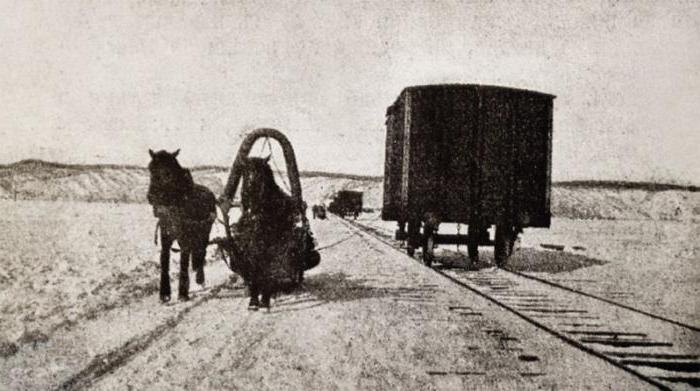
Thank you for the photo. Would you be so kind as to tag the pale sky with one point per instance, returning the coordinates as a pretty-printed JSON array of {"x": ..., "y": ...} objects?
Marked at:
[{"x": 102, "y": 81}]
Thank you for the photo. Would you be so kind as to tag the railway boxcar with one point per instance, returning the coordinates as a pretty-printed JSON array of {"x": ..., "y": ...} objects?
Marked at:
[
  {"x": 469, "y": 154},
  {"x": 346, "y": 202}
]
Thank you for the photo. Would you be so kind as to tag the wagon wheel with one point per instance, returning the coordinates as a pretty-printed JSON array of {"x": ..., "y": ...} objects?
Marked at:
[{"x": 505, "y": 239}]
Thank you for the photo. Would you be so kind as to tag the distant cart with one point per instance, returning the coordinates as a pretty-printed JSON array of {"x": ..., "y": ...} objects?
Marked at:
[
  {"x": 346, "y": 203},
  {"x": 319, "y": 212},
  {"x": 468, "y": 154}
]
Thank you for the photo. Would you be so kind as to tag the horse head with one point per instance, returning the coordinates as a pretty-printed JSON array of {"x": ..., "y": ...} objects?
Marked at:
[
  {"x": 170, "y": 182},
  {"x": 258, "y": 184}
]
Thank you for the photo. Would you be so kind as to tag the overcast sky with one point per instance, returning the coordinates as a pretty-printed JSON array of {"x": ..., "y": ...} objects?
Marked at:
[{"x": 101, "y": 82}]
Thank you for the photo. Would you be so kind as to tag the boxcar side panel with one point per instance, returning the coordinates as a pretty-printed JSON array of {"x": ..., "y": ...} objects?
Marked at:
[
  {"x": 532, "y": 161},
  {"x": 425, "y": 136},
  {"x": 459, "y": 157},
  {"x": 460, "y": 151},
  {"x": 495, "y": 149},
  {"x": 393, "y": 161},
  {"x": 543, "y": 184},
  {"x": 441, "y": 155},
  {"x": 406, "y": 156},
  {"x": 548, "y": 176},
  {"x": 523, "y": 145},
  {"x": 536, "y": 161}
]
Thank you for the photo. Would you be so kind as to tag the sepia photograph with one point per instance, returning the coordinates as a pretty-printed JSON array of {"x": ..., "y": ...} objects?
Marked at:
[{"x": 350, "y": 195}]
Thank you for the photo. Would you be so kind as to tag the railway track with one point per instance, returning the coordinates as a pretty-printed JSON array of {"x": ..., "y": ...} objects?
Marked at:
[{"x": 660, "y": 351}]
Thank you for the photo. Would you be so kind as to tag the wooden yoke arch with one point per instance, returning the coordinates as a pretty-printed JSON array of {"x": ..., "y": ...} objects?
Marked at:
[{"x": 226, "y": 199}]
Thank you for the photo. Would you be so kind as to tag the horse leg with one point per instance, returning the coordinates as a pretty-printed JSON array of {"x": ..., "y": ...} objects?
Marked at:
[
  {"x": 253, "y": 293},
  {"x": 184, "y": 285},
  {"x": 265, "y": 302},
  {"x": 165, "y": 242},
  {"x": 198, "y": 257}
]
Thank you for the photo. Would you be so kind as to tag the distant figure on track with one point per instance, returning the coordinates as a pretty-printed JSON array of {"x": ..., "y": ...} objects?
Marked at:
[{"x": 186, "y": 212}]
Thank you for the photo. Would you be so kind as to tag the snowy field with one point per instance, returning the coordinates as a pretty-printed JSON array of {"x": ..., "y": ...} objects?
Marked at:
[
  {"x": 64, "y": 261},
  {"x": 67, "y": 260},
  {"x": 73, "y": 270}
]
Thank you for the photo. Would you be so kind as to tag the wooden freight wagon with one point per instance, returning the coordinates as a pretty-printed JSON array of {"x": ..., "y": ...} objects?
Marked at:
[{"x": 469, "y": 154}]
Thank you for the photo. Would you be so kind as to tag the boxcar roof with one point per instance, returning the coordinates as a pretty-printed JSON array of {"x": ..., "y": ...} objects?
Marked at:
[{"x": 468, "y": 86}]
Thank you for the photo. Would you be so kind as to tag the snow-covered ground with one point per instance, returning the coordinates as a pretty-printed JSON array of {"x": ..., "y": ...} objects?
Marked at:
[
  {"x": 652, "y": 265},
  {"x": 64, "y": 261},
  {"x": 78, "y": 295}
]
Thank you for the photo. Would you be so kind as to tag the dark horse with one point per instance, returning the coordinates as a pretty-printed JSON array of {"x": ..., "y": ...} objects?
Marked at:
[
  {"x": 186, "y": 212},
  {"x": 265, "y": 231}
]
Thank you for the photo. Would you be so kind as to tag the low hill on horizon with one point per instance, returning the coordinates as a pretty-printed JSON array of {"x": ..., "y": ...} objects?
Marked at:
[{"x": 39, "y": 180}]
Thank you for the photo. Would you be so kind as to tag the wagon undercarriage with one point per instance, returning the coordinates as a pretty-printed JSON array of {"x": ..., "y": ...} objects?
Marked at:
[{"x": 426, "y": 236}]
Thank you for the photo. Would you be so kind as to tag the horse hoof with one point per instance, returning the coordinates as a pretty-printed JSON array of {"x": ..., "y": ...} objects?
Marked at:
[
  {"x": 183, "y": 297},
  {"x": 253, "y": 307},
  {"x": 164, "y": 299},
  {"x": 199, "y": 279}
]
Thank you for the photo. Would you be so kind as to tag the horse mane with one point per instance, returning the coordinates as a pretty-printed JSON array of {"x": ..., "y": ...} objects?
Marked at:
[
  {"x": 277, "y": 204},
  {"x": 269, "y": 177},
  {"x": 187, "y": 181}
]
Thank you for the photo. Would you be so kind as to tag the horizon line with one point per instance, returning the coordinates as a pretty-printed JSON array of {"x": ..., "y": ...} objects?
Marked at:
[{"x": 584, "y": 182}]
